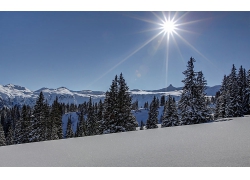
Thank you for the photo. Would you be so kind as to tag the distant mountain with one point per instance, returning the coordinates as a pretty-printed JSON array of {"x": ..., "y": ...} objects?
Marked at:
[
  {"x": 11, "y": 95},
  {"x": 210, "y": 91},
  {"x": 167, "y": 89}
]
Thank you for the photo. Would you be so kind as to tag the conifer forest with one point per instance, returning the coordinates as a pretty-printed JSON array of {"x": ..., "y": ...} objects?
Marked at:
[{"x": 43, "y": 122}]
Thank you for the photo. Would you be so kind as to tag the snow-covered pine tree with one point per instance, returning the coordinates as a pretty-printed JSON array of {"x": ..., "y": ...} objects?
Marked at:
[
  {"x": 18, "y": 136},
  {"x": 91, "y": 120},
  {"x": 187, "y": 104},
  {"x": 146, "y": 105},
  {"x": 170, "y": 114},
  {"x": 126, "y": 121},
  {"x": 69, "y": 131},
  {"x": 39, "y": 124},
  {"x": 135, "y": 105},
  {"x": 163, "y": 101},
  {"x": 243, "y": 89},
  {"x": 9, "y": 137},
  {"x": 79, "y": 126},
  {"x": 2, "y": 136},
  {"x": 56, "y": 117},
  {"x": 234, "y": 106},
  {"x": 111, "y": 108},
  {"x": 47, "y": 121},
  {"x": 152, "y": 115},
  {"x": 248, "y": 92},
  {"x": 25, "y": 124},
  {"x": 54, "y": 135},
  {"x": 200, "y": 99},
  {"x": 117, "y": 108},
  {"x": 221, "y": 100},
  {"x": 100, "y": 120}
]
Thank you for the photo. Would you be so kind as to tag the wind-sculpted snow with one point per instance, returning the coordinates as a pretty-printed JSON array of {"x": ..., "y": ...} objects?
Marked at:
[
  {"x": 224, "y": 143},
  {"x": 11, "y": 95}
]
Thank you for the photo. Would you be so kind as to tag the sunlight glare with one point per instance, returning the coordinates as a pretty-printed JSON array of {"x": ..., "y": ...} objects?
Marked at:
[{"x": 168, "y": 26}]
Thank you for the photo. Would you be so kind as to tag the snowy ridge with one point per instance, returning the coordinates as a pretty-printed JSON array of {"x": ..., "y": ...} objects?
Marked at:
[{"x": 11, "y": 95}]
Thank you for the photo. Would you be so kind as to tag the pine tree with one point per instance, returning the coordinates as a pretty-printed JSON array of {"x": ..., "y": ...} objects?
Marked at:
[
  {"x": 201, "y": 105},
  {"x": 2, "y": 137},
  {"x": 25, "y": 123},
  {"x": 47, "y": 121},
  {"x": 135, "y": 105},
  {"x": 100, "y": 120},
  {"x": 81, "y": 126},
  {"x": 56, "y": 117},
  {"x": 18, "y": 136},
  {"x": 188, "y": 113},
  {"x": 248, "y": 92},
  {"x": 221, "y": 100},
  {"x": 146, "y": 105},
  {"x": 117, "y": 108},
  {"x": 243, "y": 87},
  {"x": 9, "y": 138},
  {"x": 54, "y": 135},
  {"x": 163, "y": 100},
  {"x": 126, "y": 121},
  {"x": 39, "y": 124},
  {"x": 152, "y": 115},
  {"x": 91, "y": 120},
  {"x": 69, "y": 131},
  {"x": 170, "y": 115},
  {"x": 111, "y": 107},
  {"x": 234, "y": 106}
]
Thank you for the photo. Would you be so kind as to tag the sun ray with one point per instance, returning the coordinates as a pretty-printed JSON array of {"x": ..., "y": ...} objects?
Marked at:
[
  {"x": 192, "y": 22},
  {"x": 168, "y": 26},
  {"x": 135, "y": 51},
  {"x": 166, "y": 81},
  {"x": 181, "y": 17},
  {"x": 143, "y": 19},
  {"x": 175, "y": 15},
  {"x": 165, "y": 19},
  {"x": 159, "y": 43},
  {"x": 184, "y": 30},
  {"x": 179, "y": 51},
  {"x": 148, "y": 30},
  {"x": 196, "y": 50},
  {"x": 158, "y": 17}
]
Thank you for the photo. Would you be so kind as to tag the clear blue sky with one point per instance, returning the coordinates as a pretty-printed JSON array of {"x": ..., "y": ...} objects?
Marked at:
[{"x": 82, "y": 50}]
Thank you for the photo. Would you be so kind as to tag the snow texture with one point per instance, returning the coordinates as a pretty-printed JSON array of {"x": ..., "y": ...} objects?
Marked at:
[{"x": 220, "y": 144}]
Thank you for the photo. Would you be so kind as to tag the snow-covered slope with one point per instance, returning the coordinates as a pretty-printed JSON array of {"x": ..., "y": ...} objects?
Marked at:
[
  {"x": 11, "y": 95},
  {"x": 211, "y": 144}
]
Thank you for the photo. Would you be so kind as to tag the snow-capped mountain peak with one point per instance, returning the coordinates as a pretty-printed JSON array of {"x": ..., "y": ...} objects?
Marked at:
[{"x": 11, "y": 95}]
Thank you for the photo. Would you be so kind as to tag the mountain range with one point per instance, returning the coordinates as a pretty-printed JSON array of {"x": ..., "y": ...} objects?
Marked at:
[{"x": 11, "y": 95}]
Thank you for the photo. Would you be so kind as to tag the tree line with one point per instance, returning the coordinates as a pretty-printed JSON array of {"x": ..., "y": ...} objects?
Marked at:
[
  {"x": 232, "y": 100},
  {"x": 44, "y": 122}
]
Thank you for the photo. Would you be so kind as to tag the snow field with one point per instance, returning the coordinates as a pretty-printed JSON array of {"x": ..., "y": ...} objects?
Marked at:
[{"x": 220, "y": 144}]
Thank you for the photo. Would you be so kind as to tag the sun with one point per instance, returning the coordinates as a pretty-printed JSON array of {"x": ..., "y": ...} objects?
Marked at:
[{"x": 168, "y": 26}]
